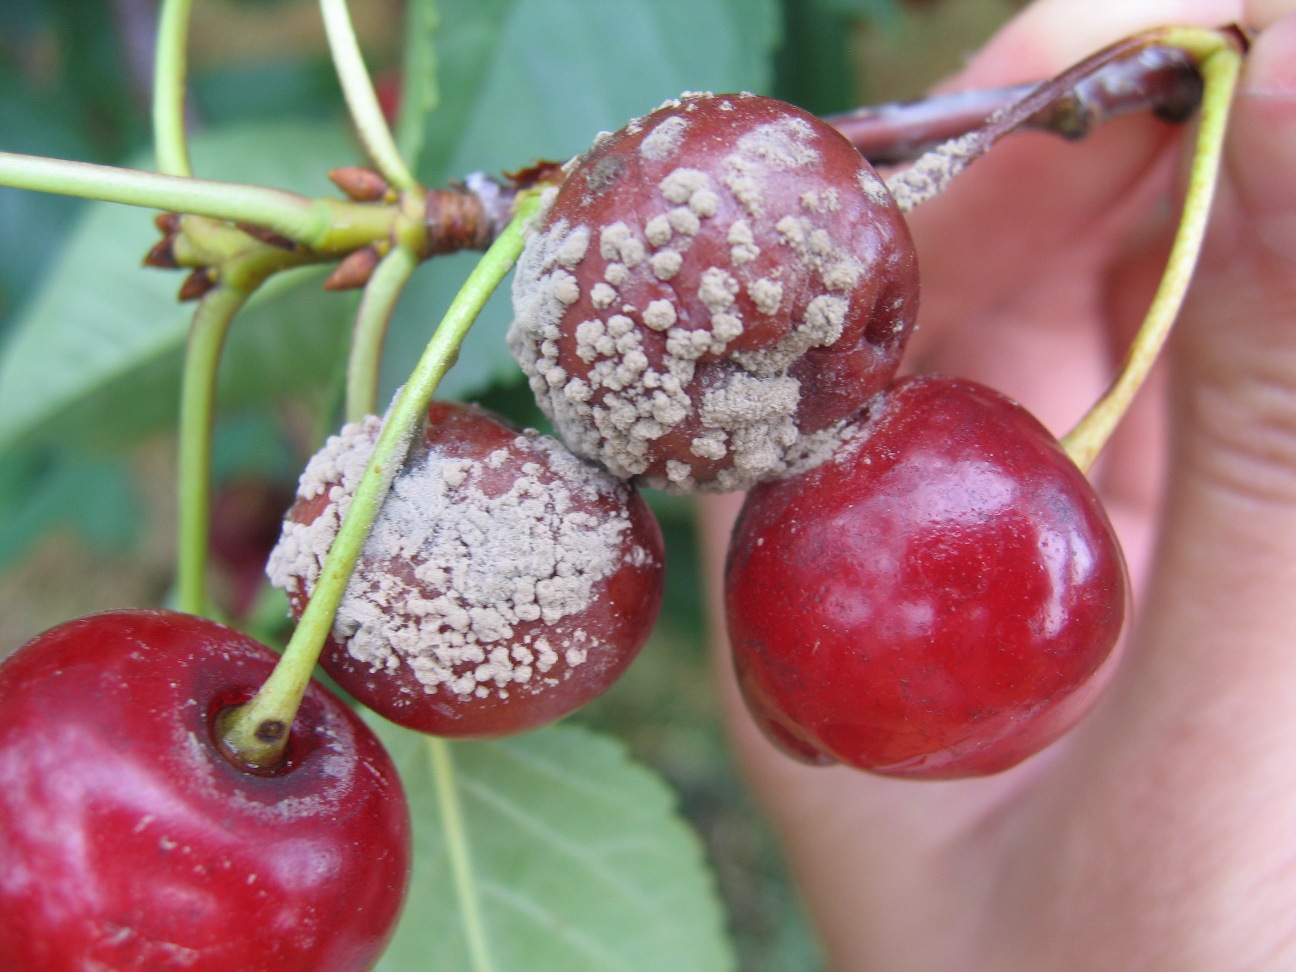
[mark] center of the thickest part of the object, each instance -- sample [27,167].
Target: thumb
[1216,649]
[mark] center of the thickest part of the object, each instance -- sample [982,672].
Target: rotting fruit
[129,841]
[940,599]
[712,292]
[505,583]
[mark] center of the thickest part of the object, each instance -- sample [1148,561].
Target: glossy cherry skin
[505,584]
[129,842]
[941,599]
[711,291]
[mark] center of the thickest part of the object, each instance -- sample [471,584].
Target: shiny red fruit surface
[711,292]
[128,842]
[939,600]
[505,583]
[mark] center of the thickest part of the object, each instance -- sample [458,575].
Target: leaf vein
[592,863]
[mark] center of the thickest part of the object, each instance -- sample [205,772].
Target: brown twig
[945,131]
[1140,61]
[1158,79]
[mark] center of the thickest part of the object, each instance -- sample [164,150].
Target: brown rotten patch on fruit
[712,292]
[505,582]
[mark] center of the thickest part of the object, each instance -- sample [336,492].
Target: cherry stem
[256,732]
[326,225]
[362,101]
[936,169]
[169,73]
[367,338]
[1148,75]
[1220,64]
[241,273]
[459,854]
[207,332]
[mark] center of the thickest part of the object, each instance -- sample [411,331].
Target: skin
[1161,834]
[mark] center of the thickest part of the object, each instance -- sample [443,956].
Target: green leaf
[527,79]
[234,94]
[884,12]
[578,859]
[813,67]
[32,224]
[39,490]
[100,342]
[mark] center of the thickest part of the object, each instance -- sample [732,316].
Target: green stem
[241,274]
[459,852]
[358,89]
[197,404]
[273,208]
[419,92]
[325,225]
[169,73]
[1220,66]
[257,731]
[372,319]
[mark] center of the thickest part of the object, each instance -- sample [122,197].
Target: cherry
[940,599]
[712,292]
[505,583]
[130,841]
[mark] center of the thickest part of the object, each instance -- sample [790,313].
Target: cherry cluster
[921,583]
[505,583]
[716,297]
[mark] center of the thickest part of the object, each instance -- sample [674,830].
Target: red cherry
[505,583]
[711,292]
[941,599]
[128,841]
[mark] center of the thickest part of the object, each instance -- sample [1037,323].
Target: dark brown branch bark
[1158,79]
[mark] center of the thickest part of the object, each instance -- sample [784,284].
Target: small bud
[168,223]
[197,284]
[354,271]
[360,184]
[162,255]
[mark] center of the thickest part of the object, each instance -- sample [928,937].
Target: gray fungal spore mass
[712,293]
[489,573]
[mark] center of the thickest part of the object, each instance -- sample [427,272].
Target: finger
[1265,13]
[1226,563]
[1174,803]
[1034,195]
[861,845]
[1039,262]
[1130,473]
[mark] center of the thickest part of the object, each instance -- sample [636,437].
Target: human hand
[1159,834]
